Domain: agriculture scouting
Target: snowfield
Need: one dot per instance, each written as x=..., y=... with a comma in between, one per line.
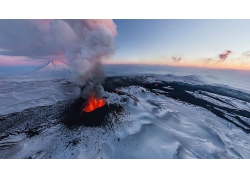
x=151, y=125
x=18, y=94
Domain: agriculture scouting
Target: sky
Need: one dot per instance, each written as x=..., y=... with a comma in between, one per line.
x=199, y=43
x=184, y=42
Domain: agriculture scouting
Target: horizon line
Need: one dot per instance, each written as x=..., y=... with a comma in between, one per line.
x=187, y=66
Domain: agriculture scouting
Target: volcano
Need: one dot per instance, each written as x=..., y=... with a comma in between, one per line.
x=172, y=119
x=53, y=68
x=75, y=115
x=91, y=112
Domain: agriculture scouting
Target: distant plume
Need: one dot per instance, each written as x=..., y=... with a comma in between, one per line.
x=176, y=59
x=205, y=61
x=224, y=56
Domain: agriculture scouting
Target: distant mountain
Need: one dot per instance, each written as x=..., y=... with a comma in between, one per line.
x=53, y=68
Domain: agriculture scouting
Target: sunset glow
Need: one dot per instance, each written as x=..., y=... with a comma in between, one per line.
x=197, y=43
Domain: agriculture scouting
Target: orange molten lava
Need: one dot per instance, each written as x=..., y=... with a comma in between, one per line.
x=93, y=103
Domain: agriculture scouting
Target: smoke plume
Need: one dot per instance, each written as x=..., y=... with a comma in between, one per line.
x=176, y=59
x=83, y=42
x=224, y=56
x=206, y=61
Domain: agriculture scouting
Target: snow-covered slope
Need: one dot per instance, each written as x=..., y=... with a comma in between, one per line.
x=23, y=93
x=152, y=124
x=155, y=127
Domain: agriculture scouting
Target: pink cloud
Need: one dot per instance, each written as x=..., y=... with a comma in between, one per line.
x=176, y=59
x=224, y=55
x=18, y=61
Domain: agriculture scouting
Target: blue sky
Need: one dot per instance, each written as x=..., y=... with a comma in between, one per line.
x=192, y=42
x=192, y=39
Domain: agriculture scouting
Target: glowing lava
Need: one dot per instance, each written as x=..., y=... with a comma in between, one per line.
x=93, y=103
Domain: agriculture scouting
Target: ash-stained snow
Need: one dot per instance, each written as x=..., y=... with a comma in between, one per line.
x=237, y=79
x=211, y=99
x=172, y=114
x=151, y=125
x=232, y=101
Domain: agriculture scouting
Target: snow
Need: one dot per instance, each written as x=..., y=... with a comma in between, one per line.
x=224, y=101
x=54, y=66
x=155, y=127
x=19, y=93
x=151, y=126
x=237, y=79
x=169, y=88
x=53, y=69
x=209, y=99
x=233, y=101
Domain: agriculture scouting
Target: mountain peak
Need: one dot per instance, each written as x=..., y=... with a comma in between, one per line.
x=56, y=63
x=53, y=67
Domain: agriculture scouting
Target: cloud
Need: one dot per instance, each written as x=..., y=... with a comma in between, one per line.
x=34, y=38
x=176, y=59
x=246, y=54
x=77, y=40
x=224, y=56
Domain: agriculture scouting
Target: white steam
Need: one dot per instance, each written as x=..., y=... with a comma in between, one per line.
x=84, y=43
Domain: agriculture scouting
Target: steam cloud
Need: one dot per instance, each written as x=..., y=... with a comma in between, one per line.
x=83, y=42
x=224, y=55
x=176, y=59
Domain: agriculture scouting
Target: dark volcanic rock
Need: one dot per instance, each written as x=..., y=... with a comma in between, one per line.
x=74, y=116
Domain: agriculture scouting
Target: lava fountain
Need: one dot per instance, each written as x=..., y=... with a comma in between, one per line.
x=92, y=109
x=93, y=103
